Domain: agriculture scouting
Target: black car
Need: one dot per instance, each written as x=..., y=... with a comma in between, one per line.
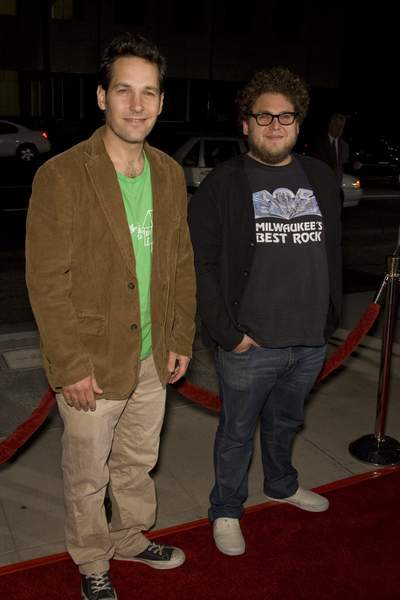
x=377, y=162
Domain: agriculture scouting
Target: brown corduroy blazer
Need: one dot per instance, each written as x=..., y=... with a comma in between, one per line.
x=81, y=269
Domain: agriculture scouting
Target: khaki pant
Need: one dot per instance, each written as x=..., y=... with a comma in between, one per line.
x=116, y=445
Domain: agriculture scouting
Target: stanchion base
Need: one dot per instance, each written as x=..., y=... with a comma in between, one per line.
x=370, y=450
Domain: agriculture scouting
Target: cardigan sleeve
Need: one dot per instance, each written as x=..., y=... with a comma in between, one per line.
x=206, y=230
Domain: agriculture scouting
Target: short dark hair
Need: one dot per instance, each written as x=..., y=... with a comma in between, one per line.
x=338, y=117
x=277, y=80
x=130, y=44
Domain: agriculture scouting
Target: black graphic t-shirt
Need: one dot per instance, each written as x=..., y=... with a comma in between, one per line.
x=285, y=302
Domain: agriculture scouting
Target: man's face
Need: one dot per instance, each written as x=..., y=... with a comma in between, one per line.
x=133, y=100
x=336, y=125
x=271, y=144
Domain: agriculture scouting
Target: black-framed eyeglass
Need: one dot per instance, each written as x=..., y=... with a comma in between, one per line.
x=265, y=118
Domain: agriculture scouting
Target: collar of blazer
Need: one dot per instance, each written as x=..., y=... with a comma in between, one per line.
x=105, y=183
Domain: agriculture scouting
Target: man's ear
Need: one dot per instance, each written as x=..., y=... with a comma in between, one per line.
x=101, y=98
x=245, y=127
x=161, y=103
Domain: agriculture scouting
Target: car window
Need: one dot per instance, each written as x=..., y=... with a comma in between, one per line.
x=192, y=157
x=7, y=128
x=216, y=151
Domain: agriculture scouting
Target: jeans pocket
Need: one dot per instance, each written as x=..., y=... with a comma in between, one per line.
x=243, y=351
x=234, y=368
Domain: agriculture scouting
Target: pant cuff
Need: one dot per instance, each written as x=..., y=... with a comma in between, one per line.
x=228, y=513
x=97, y=566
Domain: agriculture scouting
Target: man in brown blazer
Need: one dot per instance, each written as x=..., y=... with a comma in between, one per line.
x=111, y=282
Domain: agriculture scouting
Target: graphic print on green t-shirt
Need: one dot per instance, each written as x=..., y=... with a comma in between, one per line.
x=138, y=201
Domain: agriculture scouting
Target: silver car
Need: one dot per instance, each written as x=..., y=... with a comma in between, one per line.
x=352, y=190
x=24, y=143
x=200, y=154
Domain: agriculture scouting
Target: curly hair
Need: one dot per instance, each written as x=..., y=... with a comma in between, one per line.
x=130, y=44
x=277, y=80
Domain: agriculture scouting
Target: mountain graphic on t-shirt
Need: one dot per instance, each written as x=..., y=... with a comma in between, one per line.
x=284, y=204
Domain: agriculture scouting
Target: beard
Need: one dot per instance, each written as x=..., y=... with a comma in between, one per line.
x=269, y=157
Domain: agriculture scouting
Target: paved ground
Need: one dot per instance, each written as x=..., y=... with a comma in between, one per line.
x=340, y=410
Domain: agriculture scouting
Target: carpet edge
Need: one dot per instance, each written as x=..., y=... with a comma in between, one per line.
x=347, y=481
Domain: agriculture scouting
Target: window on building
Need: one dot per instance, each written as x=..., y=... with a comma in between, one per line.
x=130, y=13
x=174, y=108
x=9, y=93
x=66, y=96
x=8, y=7
x=36, y=98
x=62, y=9
x=71, y=97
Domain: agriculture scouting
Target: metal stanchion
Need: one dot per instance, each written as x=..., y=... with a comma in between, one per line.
x=377, y=448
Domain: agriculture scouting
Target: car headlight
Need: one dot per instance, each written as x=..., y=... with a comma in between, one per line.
x=356, y=184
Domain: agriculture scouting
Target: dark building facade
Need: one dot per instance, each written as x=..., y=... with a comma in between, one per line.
x=49, y=51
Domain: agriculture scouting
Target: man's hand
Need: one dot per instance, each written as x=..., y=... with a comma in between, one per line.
x=245, y=344
x=80, y=395
x=177, y=366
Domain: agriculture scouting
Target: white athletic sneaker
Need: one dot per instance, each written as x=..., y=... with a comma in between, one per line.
x=228, y=536
x=305, y=500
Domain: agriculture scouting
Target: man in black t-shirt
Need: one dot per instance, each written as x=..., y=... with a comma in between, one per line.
x=266, y=235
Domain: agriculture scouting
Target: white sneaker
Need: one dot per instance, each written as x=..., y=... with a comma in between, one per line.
x=305, y=500
x=228, y=536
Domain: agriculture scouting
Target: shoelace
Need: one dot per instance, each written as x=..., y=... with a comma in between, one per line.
x=156, y=549
x=100, y=582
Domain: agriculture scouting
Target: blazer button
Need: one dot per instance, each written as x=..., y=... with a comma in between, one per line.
x=235, y=302
x=131, y=285
x=245, y=273
x=252, y=244
x=133, y=327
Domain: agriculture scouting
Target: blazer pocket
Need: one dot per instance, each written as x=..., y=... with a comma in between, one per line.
x=91, y=324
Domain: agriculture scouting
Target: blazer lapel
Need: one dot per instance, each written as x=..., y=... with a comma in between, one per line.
x=162, y=210
x=104, y=180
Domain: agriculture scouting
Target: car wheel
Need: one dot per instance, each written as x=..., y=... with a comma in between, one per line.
x=27, y=153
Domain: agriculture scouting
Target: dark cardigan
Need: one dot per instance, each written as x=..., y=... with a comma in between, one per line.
x=221, y=220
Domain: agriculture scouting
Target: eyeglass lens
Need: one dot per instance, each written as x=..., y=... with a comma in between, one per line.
x=267, y=118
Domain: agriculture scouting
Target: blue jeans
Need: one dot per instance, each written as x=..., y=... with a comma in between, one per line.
x=270, y=384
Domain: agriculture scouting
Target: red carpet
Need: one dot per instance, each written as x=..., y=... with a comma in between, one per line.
x=24, y=432
x=347, y=553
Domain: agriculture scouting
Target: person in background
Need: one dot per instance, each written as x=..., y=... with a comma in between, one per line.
x=265, y=229
x=111, y=281
x=332, y=149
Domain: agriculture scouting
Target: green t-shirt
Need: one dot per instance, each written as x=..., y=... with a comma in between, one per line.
x=138, y=201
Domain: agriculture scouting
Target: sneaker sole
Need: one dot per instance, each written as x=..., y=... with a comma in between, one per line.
x=230, y=552
x=162, y=566
x=84, y=597
x=308, y=508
